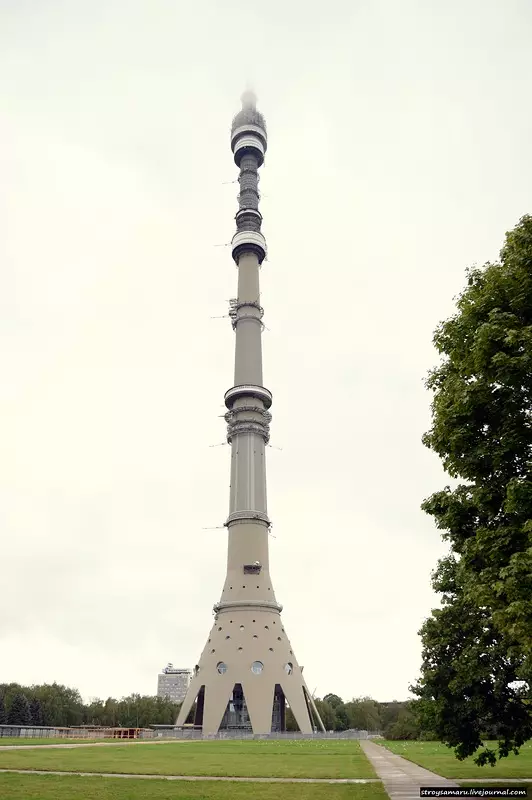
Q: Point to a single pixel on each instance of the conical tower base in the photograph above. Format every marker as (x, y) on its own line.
(246, 673)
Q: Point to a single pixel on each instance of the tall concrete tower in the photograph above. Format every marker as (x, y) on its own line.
(248, 671)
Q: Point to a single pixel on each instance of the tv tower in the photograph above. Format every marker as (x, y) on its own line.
(247, 671)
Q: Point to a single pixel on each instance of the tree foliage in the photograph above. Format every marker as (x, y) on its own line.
(327, 715)
(37, 717)
(19, 710)
(135, 711)
(54, 705)
(363, 713)
(477, 649)
(333, 700)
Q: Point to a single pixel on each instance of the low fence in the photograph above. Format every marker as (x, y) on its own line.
(173, 733)
(34, 732)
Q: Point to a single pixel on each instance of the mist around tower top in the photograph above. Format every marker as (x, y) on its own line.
(248, 114)
(249, 99)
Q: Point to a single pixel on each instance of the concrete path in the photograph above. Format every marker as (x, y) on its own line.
(401, 778)
(191, 777)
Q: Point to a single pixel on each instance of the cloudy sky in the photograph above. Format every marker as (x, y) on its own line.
(399, 154)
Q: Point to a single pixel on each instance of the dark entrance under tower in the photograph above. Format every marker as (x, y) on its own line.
(236, 715)
(279, 710)
(195, 715)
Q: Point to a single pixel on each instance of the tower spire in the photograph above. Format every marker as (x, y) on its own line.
(248, 671)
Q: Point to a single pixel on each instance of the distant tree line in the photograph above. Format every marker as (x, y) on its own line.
(53, 705)
(394, 720)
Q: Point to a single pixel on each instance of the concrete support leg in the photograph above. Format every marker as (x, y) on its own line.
(293, 692)
(192, 693)
(259, 702)
(216, 699)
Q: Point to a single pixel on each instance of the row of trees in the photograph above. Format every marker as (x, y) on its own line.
(59, 706)
(394, 720)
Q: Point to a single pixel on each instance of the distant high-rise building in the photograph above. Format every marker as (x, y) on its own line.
(173, 683)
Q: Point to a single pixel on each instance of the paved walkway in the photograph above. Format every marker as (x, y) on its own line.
(191, 777)
(401, 778)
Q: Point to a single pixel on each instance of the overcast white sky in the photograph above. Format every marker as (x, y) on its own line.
(399, 154)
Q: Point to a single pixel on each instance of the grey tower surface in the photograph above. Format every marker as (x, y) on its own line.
(247, 671)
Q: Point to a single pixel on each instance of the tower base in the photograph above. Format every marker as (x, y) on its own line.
(246, 676)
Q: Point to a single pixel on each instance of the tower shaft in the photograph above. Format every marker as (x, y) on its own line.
(248, 671)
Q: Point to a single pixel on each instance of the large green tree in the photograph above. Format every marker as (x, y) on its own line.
(37, 717)
(333, 700)
(477, 649)
(61, 705)
(19, 711)
(326, 712)
(364, 714)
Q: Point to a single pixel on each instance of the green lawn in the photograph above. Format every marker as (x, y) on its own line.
(22, 740)
(259, 758)
(495, 784)
(55, 787)
(440, 759)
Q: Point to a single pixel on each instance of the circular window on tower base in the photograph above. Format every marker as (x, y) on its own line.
(257, 667)
(221, 667)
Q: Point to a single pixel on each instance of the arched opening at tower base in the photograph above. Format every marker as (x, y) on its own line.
(194, 718)
(262, 712)
(311, 720)
(236, 715)
(279, 710)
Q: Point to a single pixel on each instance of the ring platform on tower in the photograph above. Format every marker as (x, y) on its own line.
(246, 242)
(248, 390)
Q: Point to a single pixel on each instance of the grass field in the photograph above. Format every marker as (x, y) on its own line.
(20, 741)
(259, 758)
(440, 759)
(494, 784)
(55, 787)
